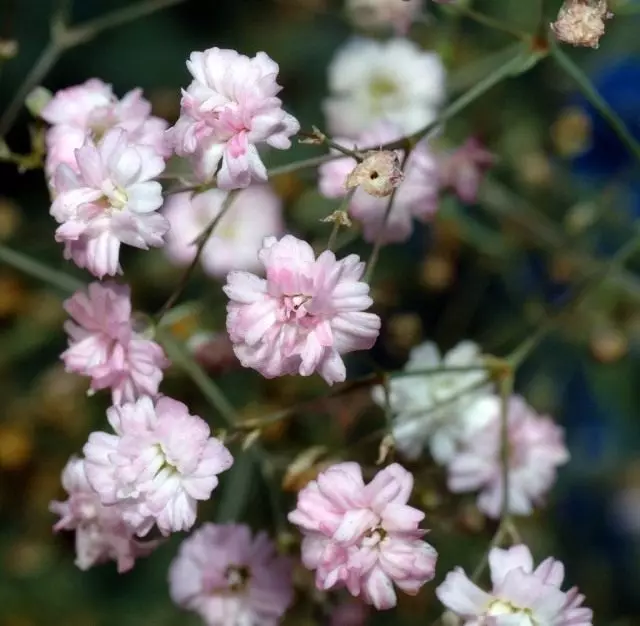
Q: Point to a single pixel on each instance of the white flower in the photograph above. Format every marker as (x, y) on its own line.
(396, 81)
(415, 400)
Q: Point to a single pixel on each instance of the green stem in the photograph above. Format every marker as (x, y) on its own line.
(600, 104)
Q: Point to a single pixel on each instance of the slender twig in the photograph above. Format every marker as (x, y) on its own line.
(600, 104)
(506, 389)
(63, 38)
(488, 21)
(43, 272)
(201, 241)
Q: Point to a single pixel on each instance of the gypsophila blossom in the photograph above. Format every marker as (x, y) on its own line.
(230, 578)
(229, 109)
(256, 212)
(104, 346)
(372, 81)
(372, 14)
(536, 449)
(416, 196)
(520, 594)
(364, 537)
(462, 169)
(91, 109)
(304, 315)
(432, 409)
(101, 532)
(158, 464)
(112, 199)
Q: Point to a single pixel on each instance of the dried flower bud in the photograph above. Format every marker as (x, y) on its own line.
(581, 22)
(378, 175)
(341, 217)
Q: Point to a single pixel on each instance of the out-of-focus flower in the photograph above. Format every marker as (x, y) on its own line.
(255, 213)
(416, 196)
(582, 22)
(104, 346)
(521, 595)
(304, 315)
(158, 464)
(351, 612)
(462, 170)
(230, 107)
(91, 109)
(433, 408)
(101, 532)
(374, 14)
(536, 449)
(213, 351)
(230, 578)
(378, 174)
(364, 537)
(371, 81)
(113, 199)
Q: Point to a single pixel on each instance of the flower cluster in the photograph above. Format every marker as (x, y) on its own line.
(364, 537)
(304, 315)
(230, 578)
(158, 464)
(520, 595)
(230, 107)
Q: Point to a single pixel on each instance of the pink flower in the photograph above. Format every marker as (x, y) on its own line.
(256, 213)
(536, 449)
(112, 200)
(416, 196)
(521, 596)
(158, 464)
(372, 14)
(90, 110)
(101, 533)
(365, 537)
(304, 315)
(230, 579)
(230, 108)
(462, 170)
(104, 346)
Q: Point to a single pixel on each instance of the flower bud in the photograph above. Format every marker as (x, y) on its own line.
(378, 175)
(581, 22)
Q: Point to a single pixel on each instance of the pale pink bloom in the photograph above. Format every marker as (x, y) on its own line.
(463, 169)
(89, 110)
(304, 315)
(536, 449)
(112, 200)
(101, 533)
(227, 111)
(230, 578)
(521, 595)
(416, 196)
(159, 463)
(104, 346)
(364, 537)
(256, 212)
(213, 351)
(373, 14)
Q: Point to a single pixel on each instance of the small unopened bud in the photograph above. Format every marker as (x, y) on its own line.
(340, 217)
(581, 22)
(37, 100)
(378, 174)
(314, 138)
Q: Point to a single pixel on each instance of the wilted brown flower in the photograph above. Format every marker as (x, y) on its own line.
(581, 22)
(378, 174)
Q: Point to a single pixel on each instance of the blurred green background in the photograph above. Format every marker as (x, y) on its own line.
(489, 272)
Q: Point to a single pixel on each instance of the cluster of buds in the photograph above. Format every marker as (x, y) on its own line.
(582, 22)
(378, 174)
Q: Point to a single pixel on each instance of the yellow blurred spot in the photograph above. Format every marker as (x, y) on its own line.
(437, 272)
(609, 345)
(405, 330)
(12, 295)
(571, 132)
(534, 169)
(26, 557)
(9, 218)
(15, 447)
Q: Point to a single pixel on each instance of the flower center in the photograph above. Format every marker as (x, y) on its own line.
(381, 87)
(115, 196)
(237, 577)
(374, 536)
(500, 607)
(295, 306)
